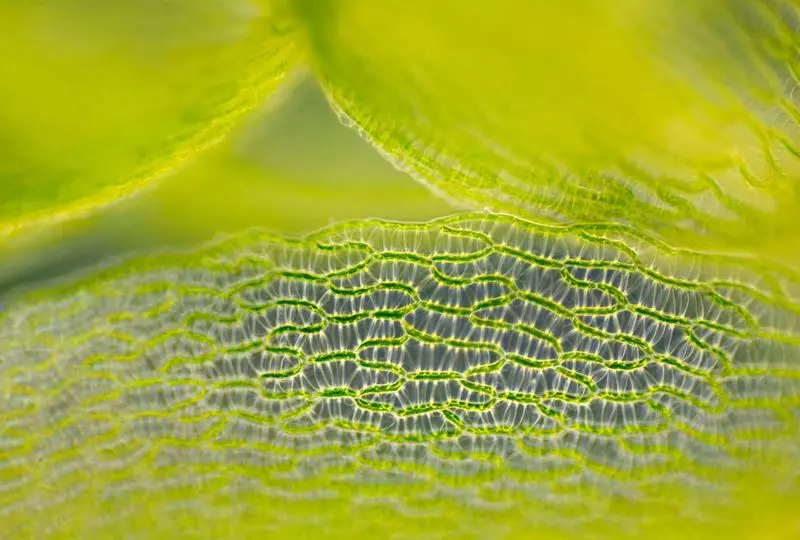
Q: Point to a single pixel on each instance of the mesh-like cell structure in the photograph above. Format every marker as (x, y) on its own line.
(471, 366)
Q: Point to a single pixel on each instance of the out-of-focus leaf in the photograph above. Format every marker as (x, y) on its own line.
(677, 117)
(99, 98)
(477, 376)
(290, 167)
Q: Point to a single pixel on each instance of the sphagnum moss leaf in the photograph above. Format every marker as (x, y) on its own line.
(478, 376)
(99, 99)
(678, 117)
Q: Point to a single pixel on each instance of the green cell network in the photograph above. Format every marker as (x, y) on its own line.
(478, 375)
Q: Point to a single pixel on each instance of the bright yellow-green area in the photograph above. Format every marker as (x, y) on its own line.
(678, 117)
(221, 509)
(99, 98)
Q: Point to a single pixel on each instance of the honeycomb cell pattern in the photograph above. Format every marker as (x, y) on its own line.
(479, 359)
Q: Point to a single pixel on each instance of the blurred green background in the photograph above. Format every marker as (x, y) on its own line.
(99, 99)
(291, 168)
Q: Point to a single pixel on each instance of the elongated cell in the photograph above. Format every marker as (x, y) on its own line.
(479, 376)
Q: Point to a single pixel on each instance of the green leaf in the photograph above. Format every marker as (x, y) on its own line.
(99, 99)
(679, 118)
(476, 376)
(291, 154)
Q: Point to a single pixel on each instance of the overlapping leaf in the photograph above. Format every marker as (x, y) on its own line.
(100, 98)
(680, 118)
(480, 375)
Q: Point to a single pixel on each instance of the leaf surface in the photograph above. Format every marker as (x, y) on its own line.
(679, 118)
(99, 99)
(478, 375)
